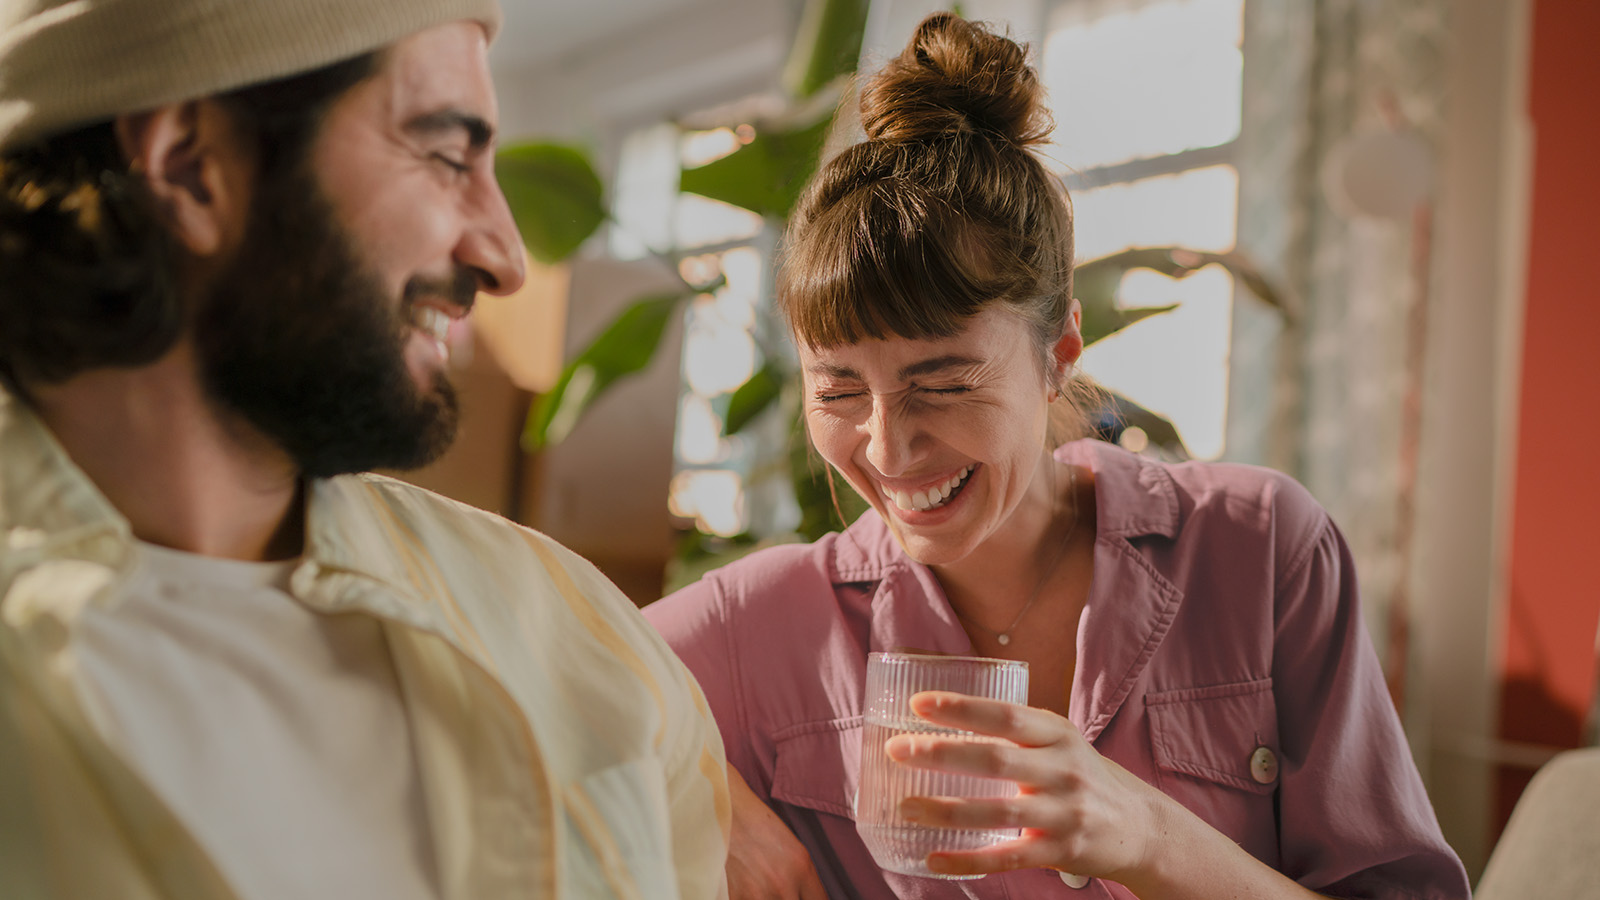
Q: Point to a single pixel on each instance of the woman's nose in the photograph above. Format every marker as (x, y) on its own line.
(888, 441)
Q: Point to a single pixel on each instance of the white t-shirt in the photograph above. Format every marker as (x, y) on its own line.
(276, 734)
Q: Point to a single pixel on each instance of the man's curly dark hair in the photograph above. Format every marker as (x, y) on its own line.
(86, 266)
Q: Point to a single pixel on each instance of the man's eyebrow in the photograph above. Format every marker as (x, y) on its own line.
(479, 132)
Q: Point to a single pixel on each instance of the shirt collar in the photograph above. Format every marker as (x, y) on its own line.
(368, 550)
(47, 505)
(347, 531)
(1134, 495)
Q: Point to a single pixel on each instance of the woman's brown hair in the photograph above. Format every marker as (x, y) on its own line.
(943, 210)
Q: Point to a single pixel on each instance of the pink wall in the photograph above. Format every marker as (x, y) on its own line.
(1548, 656)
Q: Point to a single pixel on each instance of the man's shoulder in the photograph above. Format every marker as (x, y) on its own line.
(490, 562)
(449, 527)
(405, 495)
(426, 507)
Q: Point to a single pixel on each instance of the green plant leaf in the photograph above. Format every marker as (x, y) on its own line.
(766, 175)
(1098, 281)
(555, 196)
(625, 347)
(752, 398)
(827, 45)
(1097, 284)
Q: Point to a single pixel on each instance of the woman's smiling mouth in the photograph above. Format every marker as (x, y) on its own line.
(931, 498)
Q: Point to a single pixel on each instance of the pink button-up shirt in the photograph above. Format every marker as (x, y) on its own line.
(1223, 618)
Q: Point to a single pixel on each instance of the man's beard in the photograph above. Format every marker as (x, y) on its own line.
(303, 343)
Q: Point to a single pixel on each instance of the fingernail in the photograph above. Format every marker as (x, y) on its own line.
(937, 863)
(912, 809)
(898, 748)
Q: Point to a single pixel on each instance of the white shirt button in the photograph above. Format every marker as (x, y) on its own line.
(1264, 765)
(1075, 881)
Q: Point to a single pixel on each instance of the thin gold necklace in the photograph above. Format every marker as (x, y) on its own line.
(1004, 637)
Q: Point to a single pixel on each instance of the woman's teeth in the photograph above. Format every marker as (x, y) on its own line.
(921, 501)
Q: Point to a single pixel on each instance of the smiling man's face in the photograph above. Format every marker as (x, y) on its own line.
(406, 160)
(326, 333)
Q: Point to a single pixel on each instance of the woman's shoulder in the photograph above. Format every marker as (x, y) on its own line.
(785, 581)
(1173, 499)
(1244, 487)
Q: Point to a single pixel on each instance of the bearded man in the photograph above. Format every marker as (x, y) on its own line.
(233, 235)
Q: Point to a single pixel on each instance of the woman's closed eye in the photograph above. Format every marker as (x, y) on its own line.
(839, 395)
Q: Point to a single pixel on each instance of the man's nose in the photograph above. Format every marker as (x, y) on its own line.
(491, 245)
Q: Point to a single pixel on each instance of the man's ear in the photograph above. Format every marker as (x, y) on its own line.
(192, 162)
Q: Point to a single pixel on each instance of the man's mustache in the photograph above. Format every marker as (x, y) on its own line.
(460, 289)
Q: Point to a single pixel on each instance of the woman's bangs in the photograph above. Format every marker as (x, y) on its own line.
(858, 275)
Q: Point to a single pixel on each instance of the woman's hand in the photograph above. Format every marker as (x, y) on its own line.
(765, 860)
(1079, 812)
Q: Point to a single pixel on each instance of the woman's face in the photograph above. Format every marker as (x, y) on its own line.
(943, 437)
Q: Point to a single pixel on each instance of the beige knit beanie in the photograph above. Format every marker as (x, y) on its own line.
(66, 63)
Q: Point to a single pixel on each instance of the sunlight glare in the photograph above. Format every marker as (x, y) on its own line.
(1158, 79)
(718, 355)
(1197, 209)
(714, 498)
(699, 431)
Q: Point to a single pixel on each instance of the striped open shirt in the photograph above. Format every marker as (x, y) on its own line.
(563, 749)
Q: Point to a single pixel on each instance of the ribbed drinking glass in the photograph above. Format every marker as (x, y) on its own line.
(892, 679)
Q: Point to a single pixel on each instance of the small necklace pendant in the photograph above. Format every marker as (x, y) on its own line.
(1004, 639)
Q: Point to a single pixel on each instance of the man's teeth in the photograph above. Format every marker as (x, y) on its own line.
(920, 501)
(434, 321)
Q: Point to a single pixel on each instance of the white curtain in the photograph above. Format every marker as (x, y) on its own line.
(1325, 396)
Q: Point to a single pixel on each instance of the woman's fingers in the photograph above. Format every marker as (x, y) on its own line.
(1019, 724)
(1020, 811)
(1003, 857)
(1077, 811)
(961, 756)
(991, 759)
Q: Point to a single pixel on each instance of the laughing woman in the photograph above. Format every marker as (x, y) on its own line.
(1206, 715)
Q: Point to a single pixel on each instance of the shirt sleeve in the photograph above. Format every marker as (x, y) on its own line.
(693, 624)
(1354, 818)
(695, 771)
(697, 792)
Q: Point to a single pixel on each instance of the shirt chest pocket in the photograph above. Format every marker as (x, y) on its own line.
(818, 766)
(1216, 752)
(620, 834)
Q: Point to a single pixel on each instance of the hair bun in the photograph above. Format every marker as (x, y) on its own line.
(956, 77)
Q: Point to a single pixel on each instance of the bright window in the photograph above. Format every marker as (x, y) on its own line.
(1146, 95)
(706, 239)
